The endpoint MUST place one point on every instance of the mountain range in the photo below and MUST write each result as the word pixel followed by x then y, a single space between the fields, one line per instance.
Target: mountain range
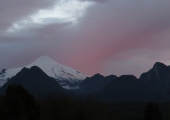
pixel 36 81
pixel 95 83
pixel 67 77
pixel 44 76
pixel 153 85
pixel 157 78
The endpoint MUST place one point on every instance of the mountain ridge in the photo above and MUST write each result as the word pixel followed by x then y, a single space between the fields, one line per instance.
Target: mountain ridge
pixel 95 83
pixel 36 81
pixel 63 74
pixel 157 78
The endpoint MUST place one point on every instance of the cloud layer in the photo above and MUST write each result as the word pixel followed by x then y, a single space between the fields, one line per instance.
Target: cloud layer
pixel 110 37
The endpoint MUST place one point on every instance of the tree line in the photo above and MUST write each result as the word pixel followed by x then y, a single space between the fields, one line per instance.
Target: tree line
pixel 19 104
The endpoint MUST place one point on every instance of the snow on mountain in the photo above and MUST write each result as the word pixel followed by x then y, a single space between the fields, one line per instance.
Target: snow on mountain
pixel 63 74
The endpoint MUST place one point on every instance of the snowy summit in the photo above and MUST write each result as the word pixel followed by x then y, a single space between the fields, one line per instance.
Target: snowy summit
pixel 66 76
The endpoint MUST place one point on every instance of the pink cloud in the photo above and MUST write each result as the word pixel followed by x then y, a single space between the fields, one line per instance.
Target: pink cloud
pixel 114 37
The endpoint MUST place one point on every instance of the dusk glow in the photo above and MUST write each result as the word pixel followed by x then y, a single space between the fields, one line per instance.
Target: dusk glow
pixel 93 36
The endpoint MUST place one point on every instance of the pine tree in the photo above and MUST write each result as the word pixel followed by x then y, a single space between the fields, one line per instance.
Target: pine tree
pixel 158 115
pixel 19 104
pixel 149 112
pixel 152 112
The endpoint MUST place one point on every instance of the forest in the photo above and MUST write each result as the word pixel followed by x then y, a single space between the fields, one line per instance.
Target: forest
pixel 19 104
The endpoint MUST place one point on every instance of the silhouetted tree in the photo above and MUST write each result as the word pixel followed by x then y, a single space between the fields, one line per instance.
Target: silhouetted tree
pixel 19 104
pixel 152 112
pixel 158 115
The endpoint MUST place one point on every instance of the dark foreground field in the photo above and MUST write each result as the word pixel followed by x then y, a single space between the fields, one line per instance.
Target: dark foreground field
pixel 19 104
pixel 136 110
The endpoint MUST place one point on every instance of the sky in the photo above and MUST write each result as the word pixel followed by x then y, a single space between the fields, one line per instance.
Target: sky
pixel 93 36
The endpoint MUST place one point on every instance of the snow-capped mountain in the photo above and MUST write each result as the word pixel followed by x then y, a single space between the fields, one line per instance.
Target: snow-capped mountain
pixel 66 76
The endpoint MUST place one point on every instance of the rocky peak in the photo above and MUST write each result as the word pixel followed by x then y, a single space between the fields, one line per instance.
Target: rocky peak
pixel 97 76
pixel 159 65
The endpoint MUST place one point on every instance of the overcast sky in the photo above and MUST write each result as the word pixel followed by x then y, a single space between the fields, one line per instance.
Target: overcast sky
pixel 93 36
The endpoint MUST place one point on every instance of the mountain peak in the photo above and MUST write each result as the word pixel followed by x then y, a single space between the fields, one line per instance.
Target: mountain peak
pixel 45 59
pixel 33 69
pixel 36 69
pixel 159 65
pixel 63 74
pixel 98 75
pixel 35 81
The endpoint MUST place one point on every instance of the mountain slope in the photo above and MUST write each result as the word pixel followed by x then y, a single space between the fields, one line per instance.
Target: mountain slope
pixel 63 74
pixel 35 81
pixel 127 87
pixel 158 78
pixel 95 83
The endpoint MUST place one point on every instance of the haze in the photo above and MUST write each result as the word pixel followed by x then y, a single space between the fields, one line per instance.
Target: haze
pixel 93 36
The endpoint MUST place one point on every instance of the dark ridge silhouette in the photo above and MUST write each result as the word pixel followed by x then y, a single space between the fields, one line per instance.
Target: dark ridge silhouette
pixel 35 81
pixel 153 85
pixel 127 87
pixel 158 78
pixel 95 83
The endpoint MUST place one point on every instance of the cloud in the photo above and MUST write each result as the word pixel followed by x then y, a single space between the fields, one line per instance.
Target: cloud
pixel 61 11
pixel 14 10
pixel 119 27
pixel 112 37
pixel 100 1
